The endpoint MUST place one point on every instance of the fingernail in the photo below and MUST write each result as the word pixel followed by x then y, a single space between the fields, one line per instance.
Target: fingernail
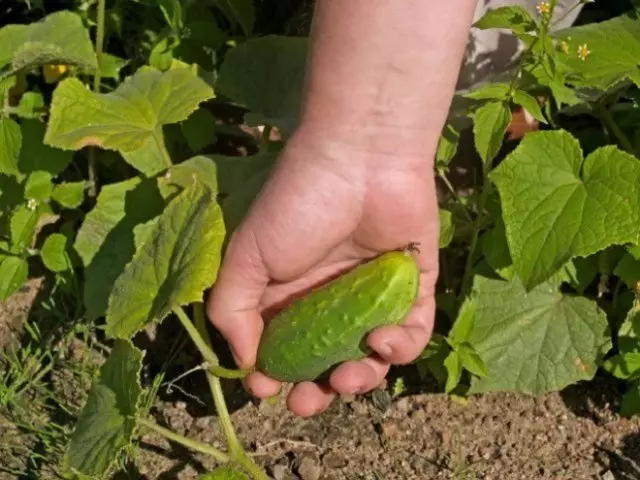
pixel 385 350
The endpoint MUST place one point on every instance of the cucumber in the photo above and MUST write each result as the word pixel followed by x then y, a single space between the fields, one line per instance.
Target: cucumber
pixel 330 324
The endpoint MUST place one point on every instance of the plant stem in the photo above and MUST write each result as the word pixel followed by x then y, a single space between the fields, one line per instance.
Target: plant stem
pixel 182 440
pixel 612 126
pixel 455 194
pixel 159 139
pixel 200 337
pixel 477 225
pixel 93 177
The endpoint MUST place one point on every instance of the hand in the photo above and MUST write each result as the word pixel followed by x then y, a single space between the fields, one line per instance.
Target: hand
pixel 325 209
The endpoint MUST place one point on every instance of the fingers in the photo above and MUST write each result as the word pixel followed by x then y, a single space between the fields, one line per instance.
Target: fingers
pixel 357 377
pixel 402 344
pixel 307 399
pixel 234 301
pixel 261 386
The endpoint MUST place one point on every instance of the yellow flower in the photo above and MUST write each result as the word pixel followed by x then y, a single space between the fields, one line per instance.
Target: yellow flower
pixel 53 72
pixel 543 8
pixel 583 52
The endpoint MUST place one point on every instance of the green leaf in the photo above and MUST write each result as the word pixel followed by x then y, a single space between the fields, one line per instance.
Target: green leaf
pixel 446 228
pixel 35 155
pixel 13 275
pixel 628 270
pixel 537 341
pixel 198 129
pixel 602 69
pixel 110 66
pixel 237 205
pixel 55 253
pixel 31 105
pixel 10 142
pixel 447 146
pixel 266 75
pixel 464 323
pixel 202 168
pixel 624 366
pixel 59 38
pixel 22 226
pixel 471 361
pixel 512 17
pixel 530 104
pixel 223 473
pixel 127 119
pixel 107 421
pixel 432 359
pixel 496 250
pixel 453 364
pixel 172 268
pixel 490 91
pixel 557 206
pixel 631 401
pixel 38 186
pixel 234 172
pixel 489 126
pixel 105 241
pixel 240 11
pixel 69 194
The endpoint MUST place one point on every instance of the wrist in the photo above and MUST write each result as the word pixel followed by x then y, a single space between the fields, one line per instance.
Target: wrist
pixel 377 146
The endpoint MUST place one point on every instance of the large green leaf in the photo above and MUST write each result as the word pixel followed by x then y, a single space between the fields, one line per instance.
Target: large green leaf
pixel 266 75
pixel 179 259
pixel 537 341
pixel 59 38
pixel 614 47
pixel 13 275
pixel 106 240
pixel 10 142
pixel 128 119
pixel 36 156
pixel 108 418
pixel 557 205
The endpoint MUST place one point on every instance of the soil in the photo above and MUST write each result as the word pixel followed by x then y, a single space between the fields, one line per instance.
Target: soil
pixel 571 435
pixel 15 310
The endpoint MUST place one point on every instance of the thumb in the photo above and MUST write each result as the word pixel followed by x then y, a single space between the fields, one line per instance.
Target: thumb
pixel 233 304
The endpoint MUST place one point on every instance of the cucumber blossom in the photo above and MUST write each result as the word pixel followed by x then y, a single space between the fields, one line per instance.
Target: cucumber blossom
pixel 330 325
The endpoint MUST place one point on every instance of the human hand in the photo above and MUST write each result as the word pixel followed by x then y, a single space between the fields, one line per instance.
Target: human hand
pixel 326 208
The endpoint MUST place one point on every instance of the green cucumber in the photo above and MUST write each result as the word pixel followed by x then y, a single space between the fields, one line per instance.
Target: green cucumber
pixel 330 325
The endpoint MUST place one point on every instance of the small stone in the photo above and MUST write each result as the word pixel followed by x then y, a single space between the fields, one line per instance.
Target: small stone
pixel 403 405
pixel 309 469
pixel 279 472
pixel 334 460
pixel 608 476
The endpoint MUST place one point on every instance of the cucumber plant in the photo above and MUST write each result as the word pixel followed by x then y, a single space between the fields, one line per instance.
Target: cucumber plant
pixel 540 263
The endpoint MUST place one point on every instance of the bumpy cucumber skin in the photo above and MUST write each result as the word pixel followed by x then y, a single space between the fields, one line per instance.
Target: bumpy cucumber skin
pixel 330 325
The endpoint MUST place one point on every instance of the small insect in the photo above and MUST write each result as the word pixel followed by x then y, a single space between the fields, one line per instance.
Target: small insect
pixel 413 247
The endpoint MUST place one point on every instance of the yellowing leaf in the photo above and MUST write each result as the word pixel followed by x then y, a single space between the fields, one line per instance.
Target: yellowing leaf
pixel 178 260
pixel 127 119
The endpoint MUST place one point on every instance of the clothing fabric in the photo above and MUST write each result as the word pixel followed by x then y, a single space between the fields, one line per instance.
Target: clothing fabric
pixel 490 52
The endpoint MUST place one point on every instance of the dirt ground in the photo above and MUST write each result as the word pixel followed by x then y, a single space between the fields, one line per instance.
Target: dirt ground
pixel 573 435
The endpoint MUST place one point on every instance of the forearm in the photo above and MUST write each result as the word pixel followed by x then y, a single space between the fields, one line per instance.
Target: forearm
pixel 382 72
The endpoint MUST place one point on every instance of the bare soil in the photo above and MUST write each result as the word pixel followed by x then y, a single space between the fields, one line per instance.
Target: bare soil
pixel 572 435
